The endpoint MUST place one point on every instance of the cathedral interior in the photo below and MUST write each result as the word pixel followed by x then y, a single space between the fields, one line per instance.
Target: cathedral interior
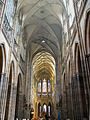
pixel 45 59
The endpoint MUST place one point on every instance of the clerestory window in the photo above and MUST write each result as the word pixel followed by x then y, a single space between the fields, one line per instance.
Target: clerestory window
pixel 44 87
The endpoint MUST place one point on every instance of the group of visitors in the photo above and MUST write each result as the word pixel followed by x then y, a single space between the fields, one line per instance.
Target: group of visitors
pixel 37 118
pixel 45 117
pixel 42 118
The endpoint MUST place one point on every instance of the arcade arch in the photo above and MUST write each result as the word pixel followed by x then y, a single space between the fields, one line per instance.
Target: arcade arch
pixel 18 108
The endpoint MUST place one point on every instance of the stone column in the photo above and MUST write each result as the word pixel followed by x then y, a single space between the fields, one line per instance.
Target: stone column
pixel 82 50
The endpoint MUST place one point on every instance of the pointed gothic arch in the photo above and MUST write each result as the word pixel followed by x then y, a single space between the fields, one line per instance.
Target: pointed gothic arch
pixel 18 110
pixel 44 108
pixel 39 109
pixel 79 72
pixel 49 109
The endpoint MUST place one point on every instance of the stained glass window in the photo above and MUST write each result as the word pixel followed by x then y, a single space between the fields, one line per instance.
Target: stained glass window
pixel 49 86
pixel 44 86
pixel 44 108
pixel 39 86
pixel 48 110
pixel 39 109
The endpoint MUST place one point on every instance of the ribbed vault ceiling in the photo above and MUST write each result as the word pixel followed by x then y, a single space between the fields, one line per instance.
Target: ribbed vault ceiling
pixel 42 18
pixel 42 21
pixel 43 64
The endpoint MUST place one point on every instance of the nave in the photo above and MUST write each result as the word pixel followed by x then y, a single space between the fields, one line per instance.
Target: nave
pixel 44 59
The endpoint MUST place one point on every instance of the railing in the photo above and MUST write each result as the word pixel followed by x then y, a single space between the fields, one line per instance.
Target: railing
pixel 41 95
pixel 1 6
pixel 7 30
